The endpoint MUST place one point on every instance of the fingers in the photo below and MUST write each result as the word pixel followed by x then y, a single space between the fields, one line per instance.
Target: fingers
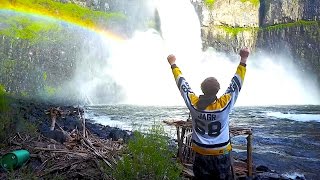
pixel 171 59
pixel 171 56
pixel 244 52
pixel 246 49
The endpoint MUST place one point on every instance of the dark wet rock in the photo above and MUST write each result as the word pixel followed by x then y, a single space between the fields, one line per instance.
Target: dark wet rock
pixel 37 113
pixel 57 135
pixel 2 170
pixel 262 168
pixel 117 134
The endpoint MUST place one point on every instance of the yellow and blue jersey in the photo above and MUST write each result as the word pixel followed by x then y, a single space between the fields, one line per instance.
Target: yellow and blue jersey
pixel 210 127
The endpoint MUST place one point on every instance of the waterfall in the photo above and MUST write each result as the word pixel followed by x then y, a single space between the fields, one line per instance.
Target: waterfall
pixel 140 68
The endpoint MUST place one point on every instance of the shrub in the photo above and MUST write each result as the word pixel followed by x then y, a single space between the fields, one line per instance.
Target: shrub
pixel 148 157
pixel 5 121
pixel 11 120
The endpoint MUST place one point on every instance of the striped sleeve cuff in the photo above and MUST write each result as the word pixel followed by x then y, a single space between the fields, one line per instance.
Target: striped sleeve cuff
pixel 173 66
pixel 243 64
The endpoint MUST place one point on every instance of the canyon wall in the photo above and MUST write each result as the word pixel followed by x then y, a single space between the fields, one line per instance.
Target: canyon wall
pixel 290 27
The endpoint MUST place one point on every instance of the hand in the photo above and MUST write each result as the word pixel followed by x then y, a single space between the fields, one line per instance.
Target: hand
pixel 171 59
pixel 244 54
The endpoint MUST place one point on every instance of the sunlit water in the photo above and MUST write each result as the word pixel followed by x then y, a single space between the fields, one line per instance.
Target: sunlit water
pixel 286 138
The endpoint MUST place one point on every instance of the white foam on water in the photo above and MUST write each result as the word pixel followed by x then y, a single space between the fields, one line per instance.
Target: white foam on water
pixel 295 117
pixel 294 175
pixel 106 121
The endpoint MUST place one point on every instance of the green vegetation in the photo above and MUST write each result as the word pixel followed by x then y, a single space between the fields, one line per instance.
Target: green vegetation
pixel 18 76
pixel 148 158
pixel 254 2
pixel 37 30
pixel 65 11
pixel 209 3
pixel 5 127
pixel 3 100
pixel 293 24
pixel 50 91
pixel 24 94
pixel 45 76
pixel 25 28
pixel 5 121
pixel 234 31
pixel 12 121
pixel 7 66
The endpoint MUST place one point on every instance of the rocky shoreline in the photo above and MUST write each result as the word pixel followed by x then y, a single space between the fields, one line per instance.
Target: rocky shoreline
pixel 39 115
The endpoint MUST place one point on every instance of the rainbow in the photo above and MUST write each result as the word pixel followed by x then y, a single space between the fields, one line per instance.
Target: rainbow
pixel 37 10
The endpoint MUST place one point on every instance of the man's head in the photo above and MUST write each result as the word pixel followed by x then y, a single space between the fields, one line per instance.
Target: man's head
pixel 210 86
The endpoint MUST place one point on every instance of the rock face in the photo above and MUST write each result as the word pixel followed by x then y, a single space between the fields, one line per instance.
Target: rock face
pixel 228 25
pixel 285 11
pixel 274 26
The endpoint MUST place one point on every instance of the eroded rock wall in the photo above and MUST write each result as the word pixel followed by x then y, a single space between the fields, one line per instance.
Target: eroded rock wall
pixel 286 11
pixel 275 26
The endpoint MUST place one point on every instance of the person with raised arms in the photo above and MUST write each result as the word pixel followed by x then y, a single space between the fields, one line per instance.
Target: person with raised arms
pixel 210 120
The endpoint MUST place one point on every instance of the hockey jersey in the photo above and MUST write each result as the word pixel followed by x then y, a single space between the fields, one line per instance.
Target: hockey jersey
pixel 210 127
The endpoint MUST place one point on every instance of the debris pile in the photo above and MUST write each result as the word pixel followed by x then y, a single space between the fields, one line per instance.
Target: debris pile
pixel 83 155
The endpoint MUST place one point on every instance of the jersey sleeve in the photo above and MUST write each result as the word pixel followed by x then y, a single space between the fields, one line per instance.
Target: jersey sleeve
pixel 236 83
pixel 186 92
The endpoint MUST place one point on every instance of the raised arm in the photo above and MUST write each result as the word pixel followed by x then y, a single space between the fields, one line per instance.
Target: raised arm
pixel 238 78
pixel 183 86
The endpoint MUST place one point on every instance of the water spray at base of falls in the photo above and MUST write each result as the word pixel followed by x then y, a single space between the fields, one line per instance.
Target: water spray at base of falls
pixel 140 68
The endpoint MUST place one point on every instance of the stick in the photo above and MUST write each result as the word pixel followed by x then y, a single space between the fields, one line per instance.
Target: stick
pixel 83 123
pixel 61 151
pixel 89 145
pixel 249 155
pixel 53 123
pixel 64 132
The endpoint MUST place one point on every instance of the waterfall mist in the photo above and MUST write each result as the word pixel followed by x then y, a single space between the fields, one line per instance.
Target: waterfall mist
pixel 139 68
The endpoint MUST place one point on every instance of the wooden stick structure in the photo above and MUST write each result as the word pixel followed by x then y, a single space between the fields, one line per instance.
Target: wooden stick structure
pixel 186 154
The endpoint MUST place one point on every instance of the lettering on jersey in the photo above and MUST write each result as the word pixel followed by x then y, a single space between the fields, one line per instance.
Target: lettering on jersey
pixel 207 116
pixel 205 124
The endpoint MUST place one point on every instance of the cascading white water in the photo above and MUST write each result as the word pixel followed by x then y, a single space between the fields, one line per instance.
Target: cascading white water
pixel 140 67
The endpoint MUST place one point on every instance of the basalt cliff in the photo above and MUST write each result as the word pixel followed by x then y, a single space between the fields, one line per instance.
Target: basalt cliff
pixel 290 27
